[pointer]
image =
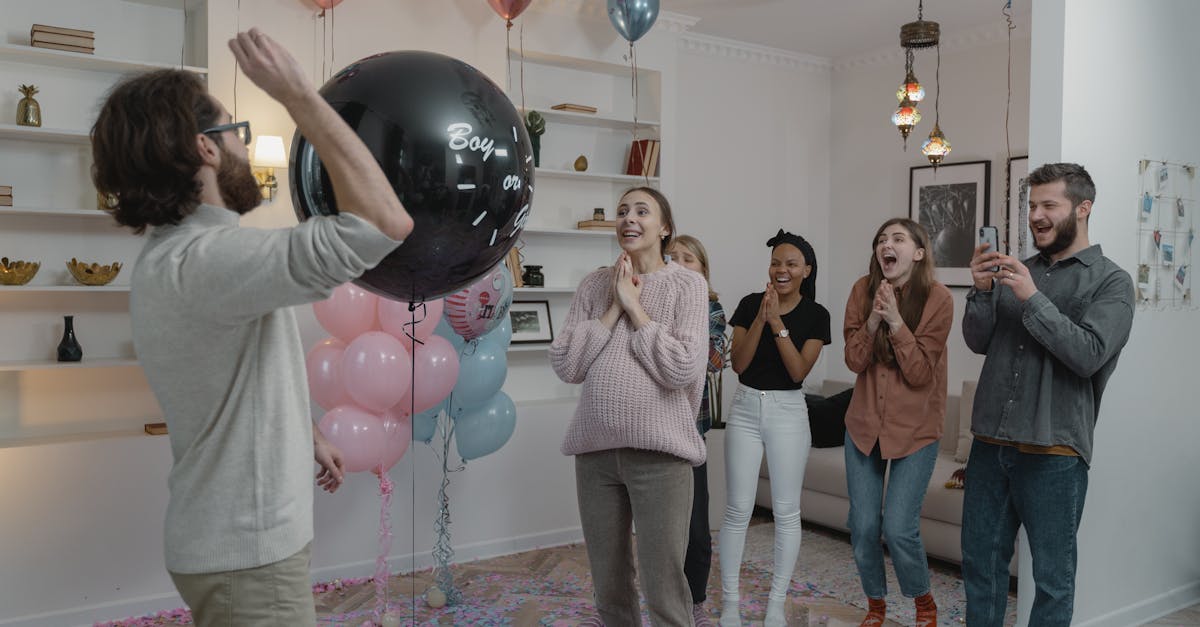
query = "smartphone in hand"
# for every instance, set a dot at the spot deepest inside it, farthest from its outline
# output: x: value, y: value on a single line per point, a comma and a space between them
x: 991, y: 236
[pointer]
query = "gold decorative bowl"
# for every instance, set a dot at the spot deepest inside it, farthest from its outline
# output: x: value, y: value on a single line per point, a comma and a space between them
x: 17, y: 272
x: 93, y: 274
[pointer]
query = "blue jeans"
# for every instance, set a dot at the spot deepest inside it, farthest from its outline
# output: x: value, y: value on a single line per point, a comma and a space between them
x: 1005, y: 489
x: 896, y: 516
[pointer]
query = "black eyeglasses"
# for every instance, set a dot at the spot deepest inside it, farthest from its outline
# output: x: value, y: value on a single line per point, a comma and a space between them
x: 241, y: 129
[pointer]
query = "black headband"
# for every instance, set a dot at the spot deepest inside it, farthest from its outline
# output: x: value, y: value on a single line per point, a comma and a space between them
x: 783, y: 237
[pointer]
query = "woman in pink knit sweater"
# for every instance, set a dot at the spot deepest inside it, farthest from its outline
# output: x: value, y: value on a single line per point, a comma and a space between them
x: 636, y: 337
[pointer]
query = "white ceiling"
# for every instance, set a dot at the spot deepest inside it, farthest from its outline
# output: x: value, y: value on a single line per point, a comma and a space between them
x: 834, y: 28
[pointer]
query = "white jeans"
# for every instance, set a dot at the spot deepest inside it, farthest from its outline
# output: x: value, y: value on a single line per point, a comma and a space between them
x: 777, y: 421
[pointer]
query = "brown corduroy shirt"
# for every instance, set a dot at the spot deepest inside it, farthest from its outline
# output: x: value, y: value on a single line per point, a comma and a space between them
x: 899, y: 405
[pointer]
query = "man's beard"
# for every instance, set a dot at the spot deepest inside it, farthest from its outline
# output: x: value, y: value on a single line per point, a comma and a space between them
x: 238, y: 187
x: 1064, y: 235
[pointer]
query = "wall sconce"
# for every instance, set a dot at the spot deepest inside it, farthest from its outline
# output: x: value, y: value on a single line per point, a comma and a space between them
x: 268, y: 155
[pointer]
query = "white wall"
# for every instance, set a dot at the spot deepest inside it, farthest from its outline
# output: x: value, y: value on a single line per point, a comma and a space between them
x: 83, y: 520
x: 1139, y: 546
x: 870, y: 169
x: 752, y: 159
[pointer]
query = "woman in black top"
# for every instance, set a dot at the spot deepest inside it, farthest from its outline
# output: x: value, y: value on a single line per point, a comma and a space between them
x: 777, y: 337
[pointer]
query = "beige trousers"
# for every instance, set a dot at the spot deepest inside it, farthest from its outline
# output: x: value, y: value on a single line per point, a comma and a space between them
x: 278, y: 594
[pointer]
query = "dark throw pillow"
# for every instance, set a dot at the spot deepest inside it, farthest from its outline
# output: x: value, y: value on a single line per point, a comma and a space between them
x: 827, y: 418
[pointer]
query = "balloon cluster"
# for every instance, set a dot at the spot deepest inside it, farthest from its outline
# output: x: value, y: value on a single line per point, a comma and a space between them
x: 391, y: 367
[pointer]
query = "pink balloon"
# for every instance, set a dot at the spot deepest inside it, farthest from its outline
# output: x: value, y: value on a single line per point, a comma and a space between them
x: 348, y: 313
x: 509, y: 9
x: 358, y: 434
x: 482, y: 305
x: 324, y: 366
x: 397, y: 429
x: 376, y: 370
x: 396, y: 319
x: 327, y: 4
x: 435, y: 375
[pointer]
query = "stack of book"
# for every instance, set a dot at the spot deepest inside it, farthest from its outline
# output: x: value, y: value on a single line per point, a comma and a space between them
x: 5, y: 195
x: 59, y: 38
x: 577, y: 108
x: 643, y: 158
x: 596, y: 225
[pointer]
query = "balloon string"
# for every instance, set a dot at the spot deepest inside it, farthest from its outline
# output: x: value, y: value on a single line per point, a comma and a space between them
x: 385, y: 544
x: 508, y: 56
x: 521, y: 38
x: 443, y: 551
x: 634, y: 86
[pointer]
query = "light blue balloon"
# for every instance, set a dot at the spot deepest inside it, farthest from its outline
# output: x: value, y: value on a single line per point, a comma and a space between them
x: 445, y: 330
x: 632, y: 18
x: 502, y: 334
x: 482, y: 368
x: 425, y: 423
x: 483, y: 430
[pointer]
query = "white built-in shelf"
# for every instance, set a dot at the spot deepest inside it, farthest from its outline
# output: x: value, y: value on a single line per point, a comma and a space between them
x: 43, y: 134
x: 603, y: 120
x: 61, y: 433
x: 576, y: 63
x: 549, y: 289
x: 53, y: 212
x: 529, y: 348
x: 604, y: 234
x: 63, y: 288
x: 80, y: 61
x: 43, y: 364
x: 591, y: 176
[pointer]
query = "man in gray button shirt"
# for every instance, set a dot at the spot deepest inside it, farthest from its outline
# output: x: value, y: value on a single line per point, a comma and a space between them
x: 1052, y: 328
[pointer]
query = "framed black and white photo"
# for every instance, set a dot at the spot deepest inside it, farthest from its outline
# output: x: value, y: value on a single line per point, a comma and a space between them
x: 530, y: 322
x: 1020, y: 238
x: 952, y: 203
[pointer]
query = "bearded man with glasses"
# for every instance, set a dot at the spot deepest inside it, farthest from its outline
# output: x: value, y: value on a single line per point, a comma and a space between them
x: 213, y: 327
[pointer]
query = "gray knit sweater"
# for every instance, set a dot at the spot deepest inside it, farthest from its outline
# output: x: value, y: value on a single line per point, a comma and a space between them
x: 213, y: 329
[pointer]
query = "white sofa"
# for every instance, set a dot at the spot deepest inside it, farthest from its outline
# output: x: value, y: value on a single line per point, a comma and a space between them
x: 824, y: 499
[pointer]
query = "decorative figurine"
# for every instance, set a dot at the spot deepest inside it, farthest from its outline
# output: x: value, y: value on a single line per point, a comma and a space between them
x: 29, y: 112
x: 598, y: 214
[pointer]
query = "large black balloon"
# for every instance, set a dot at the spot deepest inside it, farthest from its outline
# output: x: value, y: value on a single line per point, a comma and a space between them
x: 455, y: 151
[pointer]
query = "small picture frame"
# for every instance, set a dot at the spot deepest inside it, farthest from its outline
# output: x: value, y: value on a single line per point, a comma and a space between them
x: 531, y: 322
x: 952, y: 203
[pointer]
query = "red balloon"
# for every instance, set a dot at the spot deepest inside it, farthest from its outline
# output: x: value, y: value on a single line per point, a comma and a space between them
x: 327, y: 4
x: 507, y: 9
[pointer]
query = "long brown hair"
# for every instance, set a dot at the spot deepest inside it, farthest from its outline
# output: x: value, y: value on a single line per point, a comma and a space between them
x: 696, y: 248
x: 911, y: 302
x: 144, y: 147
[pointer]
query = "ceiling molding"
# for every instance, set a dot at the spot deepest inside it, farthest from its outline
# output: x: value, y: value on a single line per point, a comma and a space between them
x: 592, y: 9
x: 962, y: 40
x: 753, y: 53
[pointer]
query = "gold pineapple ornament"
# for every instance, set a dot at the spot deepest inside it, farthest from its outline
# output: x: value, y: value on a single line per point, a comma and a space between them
x: 29, y: 112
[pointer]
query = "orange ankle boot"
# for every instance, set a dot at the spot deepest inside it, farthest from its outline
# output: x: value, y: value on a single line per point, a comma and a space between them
x: 876, y: 613
x: 926, y: 611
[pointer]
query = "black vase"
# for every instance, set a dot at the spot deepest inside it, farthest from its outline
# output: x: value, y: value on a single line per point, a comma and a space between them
x: 69, y: 348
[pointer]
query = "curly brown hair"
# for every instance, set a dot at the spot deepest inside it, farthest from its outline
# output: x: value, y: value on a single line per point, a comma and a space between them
x: 144, y: 147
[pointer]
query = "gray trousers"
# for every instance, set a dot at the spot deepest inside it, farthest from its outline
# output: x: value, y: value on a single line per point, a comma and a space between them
x: 623, y: 487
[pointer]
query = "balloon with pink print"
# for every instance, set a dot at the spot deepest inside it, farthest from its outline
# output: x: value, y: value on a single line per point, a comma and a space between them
x: 481, y: 306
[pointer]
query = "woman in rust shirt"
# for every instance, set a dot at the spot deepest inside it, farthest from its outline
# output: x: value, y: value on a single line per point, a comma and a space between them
x: 897, y: 320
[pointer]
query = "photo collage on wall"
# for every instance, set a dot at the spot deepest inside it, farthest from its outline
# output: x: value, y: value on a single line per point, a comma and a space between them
x: 1167, y: 205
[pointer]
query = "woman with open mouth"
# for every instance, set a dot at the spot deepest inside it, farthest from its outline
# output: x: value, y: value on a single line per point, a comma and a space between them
x: 778, y: 335
x: 636, y: 337
x: 897, y: 321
